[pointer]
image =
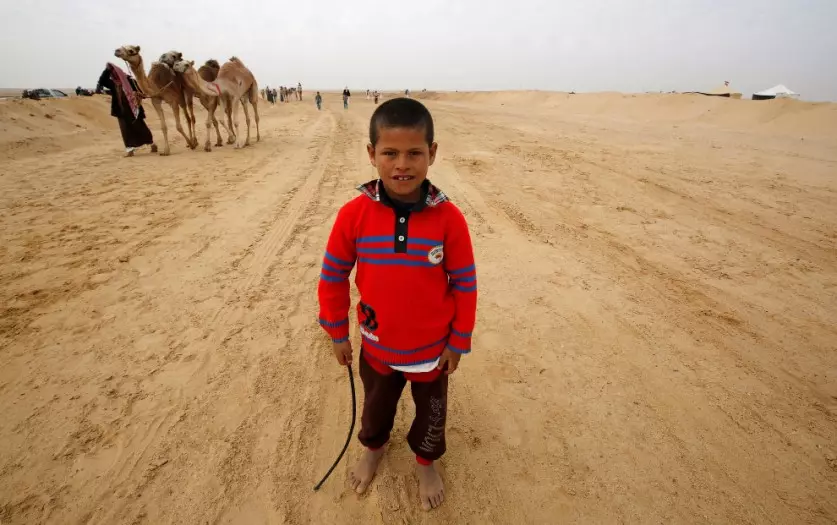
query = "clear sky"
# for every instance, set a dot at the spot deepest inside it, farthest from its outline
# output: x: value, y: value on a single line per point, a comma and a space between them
x: 581, y: 45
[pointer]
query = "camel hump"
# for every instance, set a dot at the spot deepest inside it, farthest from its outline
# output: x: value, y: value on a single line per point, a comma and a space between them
x: 161, y: 74
x: 212, y: 63
x: 208, y: 73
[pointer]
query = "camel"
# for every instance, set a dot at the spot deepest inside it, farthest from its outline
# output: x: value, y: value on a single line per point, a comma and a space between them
x: 228, y: 89
x: 169, y: 59
x: 162, y: 85
x: 240, y: 84
x: 235, y: 73
x: 209, y: 72
x: 234, y: 82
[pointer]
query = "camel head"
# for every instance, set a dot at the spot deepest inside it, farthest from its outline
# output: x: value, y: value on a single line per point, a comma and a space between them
x: 129, y: 54
x: 182, y: 66
x: 171, y: 57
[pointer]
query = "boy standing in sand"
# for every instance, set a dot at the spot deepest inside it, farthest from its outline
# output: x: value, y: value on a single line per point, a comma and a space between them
x: 418, y: 292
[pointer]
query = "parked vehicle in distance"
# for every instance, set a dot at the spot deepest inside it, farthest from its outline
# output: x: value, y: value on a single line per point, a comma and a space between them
x: 39, y: 93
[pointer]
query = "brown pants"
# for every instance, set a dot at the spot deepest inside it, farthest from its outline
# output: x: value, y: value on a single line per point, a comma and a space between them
x: 381, y: 395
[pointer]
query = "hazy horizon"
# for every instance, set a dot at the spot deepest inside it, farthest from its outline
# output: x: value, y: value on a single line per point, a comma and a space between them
x: 602, y: 45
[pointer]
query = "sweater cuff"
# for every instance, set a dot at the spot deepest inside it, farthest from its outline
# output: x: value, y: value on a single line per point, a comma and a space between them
x: 338, y: 330
x: 459, y: 342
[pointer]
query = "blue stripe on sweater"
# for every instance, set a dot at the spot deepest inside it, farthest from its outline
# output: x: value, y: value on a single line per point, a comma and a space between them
x: 369, y: 342
x: 335, y: 260
x: 334, y: 324
x: 374, y: 251
x: 411, y: 363
x: 463, y: 270
x: 395, y: 262
x: 375, y: 238
x: 391, y: 238
x: 334, y: 269
x: 460, y: 334
x: 332, y: 279
x: 460, y: 280
x: 459, y: 350
x: 465, y: 288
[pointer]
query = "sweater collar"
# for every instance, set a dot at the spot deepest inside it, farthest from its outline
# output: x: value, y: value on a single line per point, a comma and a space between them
x: 431, y: 196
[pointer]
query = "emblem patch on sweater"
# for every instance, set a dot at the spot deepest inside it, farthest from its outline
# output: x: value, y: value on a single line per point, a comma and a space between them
x: 436, y: 254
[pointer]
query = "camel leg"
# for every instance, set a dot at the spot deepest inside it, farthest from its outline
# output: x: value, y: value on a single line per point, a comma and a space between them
x: 255, y: 102
x: 220, y: 141
x: 175, y: 108
x: 225, y: 108
x: 190, y: 116
x: 237, y: 132
x: 229, y: 104
x: 256, y: 117
x: 158, y: 107
x: 210, y: 117
x: 247, y: 120
x: 214, y: 106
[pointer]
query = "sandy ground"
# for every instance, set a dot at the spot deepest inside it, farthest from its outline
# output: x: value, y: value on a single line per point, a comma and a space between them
x: 656, y: 337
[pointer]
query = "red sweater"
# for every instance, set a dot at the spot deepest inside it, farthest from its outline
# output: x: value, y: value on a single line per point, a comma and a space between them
x: 415, y: 274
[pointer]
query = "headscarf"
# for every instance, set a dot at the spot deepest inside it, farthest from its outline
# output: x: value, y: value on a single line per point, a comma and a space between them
x: 121, y: 80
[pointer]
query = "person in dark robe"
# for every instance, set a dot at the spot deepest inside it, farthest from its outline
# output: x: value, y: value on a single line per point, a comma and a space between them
x: 346, y: 95
x: 126, y: 106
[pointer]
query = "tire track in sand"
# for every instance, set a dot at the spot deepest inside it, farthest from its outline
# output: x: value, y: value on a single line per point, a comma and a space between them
x: 311, y: 432
x: 270, y: 452
x: 144, y: 446
x: 266, y: 251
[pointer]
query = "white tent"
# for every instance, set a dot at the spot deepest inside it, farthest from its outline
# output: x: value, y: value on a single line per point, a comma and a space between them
x: 779, y: 91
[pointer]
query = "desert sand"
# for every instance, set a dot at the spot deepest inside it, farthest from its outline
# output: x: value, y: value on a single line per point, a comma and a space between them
x: 656, y: 337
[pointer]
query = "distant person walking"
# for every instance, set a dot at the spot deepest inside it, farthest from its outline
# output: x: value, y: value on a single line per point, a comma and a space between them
x: 299, y: 90
x: 319, y: 100
x: 346, y: 95
x: 126, y: 106
x: 375, y: 95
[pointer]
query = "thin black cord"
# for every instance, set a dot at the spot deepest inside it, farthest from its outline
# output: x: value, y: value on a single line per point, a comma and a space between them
x: 351, y: 431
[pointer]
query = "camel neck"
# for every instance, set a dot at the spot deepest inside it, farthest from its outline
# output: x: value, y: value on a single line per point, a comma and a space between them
x: 142, y: 78
x: 201, y: 85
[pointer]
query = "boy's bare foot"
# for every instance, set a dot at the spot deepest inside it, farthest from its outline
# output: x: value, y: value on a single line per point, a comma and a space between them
x: 361, y: 476
x: 431, y: 488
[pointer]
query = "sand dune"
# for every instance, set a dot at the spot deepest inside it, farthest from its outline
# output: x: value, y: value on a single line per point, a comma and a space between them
x: 783, y: 116
x: 55, y: 124
x: 655, y: 343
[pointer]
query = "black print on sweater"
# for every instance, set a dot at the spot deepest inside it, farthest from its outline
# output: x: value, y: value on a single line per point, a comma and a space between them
x: 369, y: 314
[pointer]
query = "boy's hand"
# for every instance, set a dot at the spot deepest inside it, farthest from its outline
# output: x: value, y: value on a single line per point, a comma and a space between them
x: 343, y: 352
x: 450, y: 358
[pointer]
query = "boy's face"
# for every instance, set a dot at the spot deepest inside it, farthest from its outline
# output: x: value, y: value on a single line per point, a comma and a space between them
x: 402, y: 158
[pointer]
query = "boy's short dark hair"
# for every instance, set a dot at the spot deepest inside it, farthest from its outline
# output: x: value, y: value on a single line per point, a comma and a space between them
x: 401, y: 113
